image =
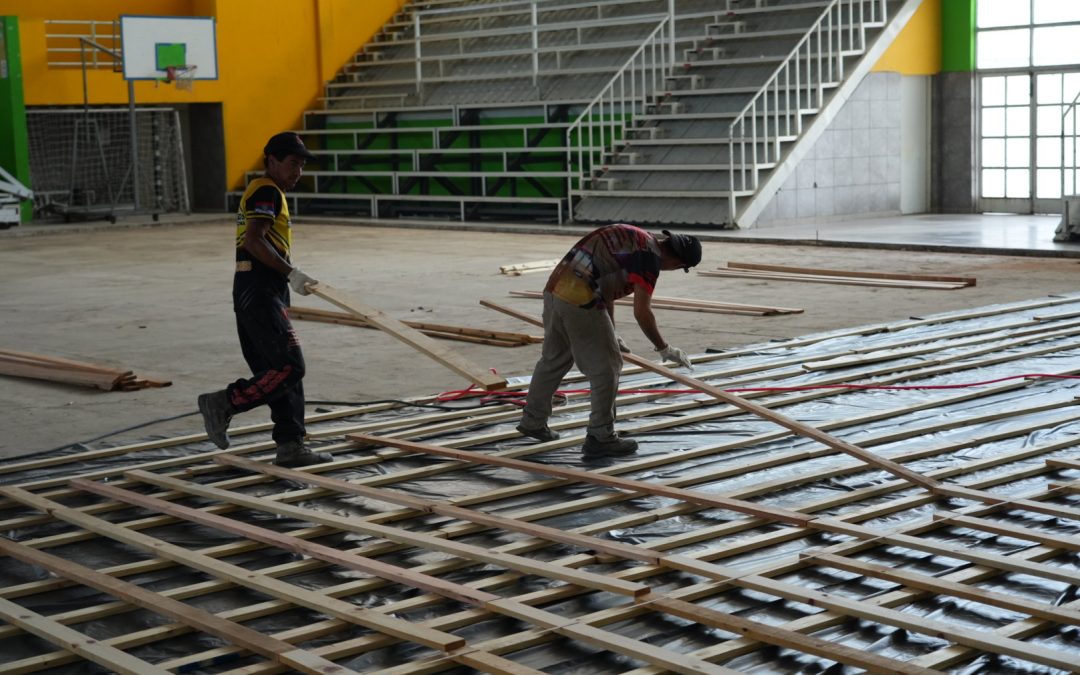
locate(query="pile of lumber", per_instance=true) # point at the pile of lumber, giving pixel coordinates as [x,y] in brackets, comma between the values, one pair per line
[55,369]
[843,277]
[461,333]
[528,267]
[690,305]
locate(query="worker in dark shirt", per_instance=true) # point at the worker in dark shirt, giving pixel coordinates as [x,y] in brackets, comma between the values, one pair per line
[264,274]
[579,324]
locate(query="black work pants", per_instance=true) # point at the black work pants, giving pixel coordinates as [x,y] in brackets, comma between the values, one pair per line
[272,351]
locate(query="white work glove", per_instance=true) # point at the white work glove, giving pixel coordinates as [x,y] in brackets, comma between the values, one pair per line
[676,355]
[299,281]
[623,347]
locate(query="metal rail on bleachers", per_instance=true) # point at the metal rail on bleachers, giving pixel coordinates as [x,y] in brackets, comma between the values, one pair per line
[534,32]
[637,80]
[815,62]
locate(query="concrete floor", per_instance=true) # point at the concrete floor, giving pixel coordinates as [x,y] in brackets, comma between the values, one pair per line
[155,297]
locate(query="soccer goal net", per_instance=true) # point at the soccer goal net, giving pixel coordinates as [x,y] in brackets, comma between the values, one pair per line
[81,162]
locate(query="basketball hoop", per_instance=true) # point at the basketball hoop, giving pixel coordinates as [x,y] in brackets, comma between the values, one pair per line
[182,76]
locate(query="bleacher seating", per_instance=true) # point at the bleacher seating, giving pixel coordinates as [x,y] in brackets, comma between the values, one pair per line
[461,109]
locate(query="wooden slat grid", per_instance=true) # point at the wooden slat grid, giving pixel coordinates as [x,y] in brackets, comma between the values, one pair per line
[437,540]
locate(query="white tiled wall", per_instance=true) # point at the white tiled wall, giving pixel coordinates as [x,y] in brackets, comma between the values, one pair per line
[854,168]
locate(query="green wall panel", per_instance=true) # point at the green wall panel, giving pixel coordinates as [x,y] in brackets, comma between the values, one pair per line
[958,35]
[14,150]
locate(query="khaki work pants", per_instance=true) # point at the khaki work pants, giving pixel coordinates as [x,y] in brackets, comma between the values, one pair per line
[585,337]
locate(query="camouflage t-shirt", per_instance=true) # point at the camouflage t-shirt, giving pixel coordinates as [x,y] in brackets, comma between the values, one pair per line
[605,265]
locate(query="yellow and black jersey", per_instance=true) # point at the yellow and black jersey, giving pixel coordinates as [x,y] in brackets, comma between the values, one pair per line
[264,199]
[254,280]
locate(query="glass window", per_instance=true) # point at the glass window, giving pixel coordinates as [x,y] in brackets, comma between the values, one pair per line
[1054,11]
[1018,90]
[1049,88]
[990,13]
[1003,48]
[993,182]
[1048,183]
[1048,120]
[1018,184]
[1056,46]
[1017,121]
[993,91]
[1017,152]
[1072,181]
[993,122]
[1070,87]
[993,152]
[1048,152]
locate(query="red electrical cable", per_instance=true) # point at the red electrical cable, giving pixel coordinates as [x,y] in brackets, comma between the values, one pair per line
[457,394]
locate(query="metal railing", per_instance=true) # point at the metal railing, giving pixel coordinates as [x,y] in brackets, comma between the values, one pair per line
[1069,141]
[797,85]
[64,43]
[534,28]
[603,120]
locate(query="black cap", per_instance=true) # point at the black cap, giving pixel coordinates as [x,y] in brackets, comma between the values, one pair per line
[287,143]
[686,247]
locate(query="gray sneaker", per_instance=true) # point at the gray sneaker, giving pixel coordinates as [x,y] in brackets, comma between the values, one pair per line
[616,447]
[542,434]
[291,454]
[216,414]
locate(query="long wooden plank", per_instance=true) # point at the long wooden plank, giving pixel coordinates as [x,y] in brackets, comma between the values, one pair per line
[358,323]
[799,428]
[944,587]
[967,281]
[46,359]
[1062,541]
[243,577]
[855,279]
[86,378]
[781,637]
[924,285]
[314,314]
[253,640]
[76,642]
[688,304]
[452,360]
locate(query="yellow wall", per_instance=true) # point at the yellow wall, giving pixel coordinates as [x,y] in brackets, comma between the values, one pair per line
[274,56]
[917,50]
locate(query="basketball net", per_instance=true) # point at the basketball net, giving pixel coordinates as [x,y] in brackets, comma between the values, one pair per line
[182,76]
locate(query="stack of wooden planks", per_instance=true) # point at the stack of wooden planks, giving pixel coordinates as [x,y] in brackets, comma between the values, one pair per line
[55,369]
[690,305]
[528,267]
[843,277]
[443,331]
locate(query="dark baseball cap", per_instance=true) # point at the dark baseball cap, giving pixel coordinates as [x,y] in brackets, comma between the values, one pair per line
[686,247]
[287,143]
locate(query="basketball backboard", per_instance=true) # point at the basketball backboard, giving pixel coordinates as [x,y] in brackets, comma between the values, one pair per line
[153,44]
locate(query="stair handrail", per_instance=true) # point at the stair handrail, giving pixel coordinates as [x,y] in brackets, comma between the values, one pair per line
[592,128]
[1070,109]
[828,59]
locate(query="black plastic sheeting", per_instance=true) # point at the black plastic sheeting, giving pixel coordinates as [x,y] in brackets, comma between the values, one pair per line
[1053,424]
